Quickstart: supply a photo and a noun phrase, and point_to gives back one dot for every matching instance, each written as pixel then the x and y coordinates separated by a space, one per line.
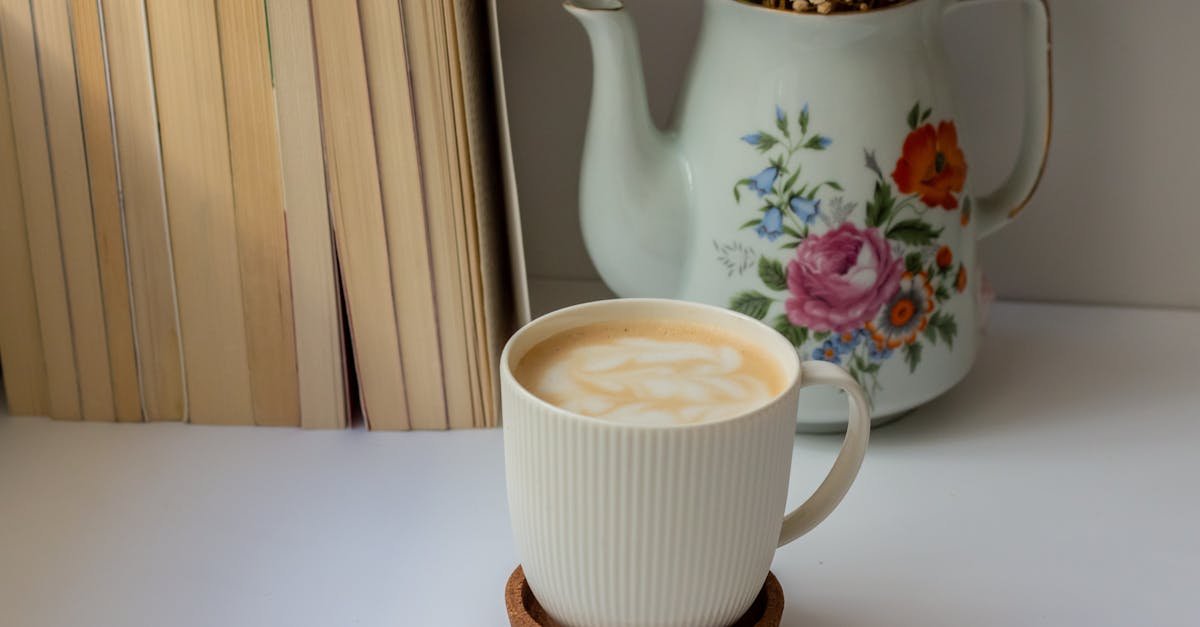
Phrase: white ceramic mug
pixel 620 524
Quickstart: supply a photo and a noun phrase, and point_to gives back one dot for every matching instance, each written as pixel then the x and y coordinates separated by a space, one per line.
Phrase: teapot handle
pixel 1002 204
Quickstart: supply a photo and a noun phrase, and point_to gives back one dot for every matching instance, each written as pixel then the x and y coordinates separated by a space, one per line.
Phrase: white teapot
pixel 813 178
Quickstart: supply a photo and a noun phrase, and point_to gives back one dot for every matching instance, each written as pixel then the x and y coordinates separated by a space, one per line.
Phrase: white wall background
pixel 1117 217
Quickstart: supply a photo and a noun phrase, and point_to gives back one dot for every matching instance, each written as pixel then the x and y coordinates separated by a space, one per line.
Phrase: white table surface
pixel 1059 484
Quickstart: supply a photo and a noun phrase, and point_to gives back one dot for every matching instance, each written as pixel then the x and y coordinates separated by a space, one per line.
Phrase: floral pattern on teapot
pixel 854 288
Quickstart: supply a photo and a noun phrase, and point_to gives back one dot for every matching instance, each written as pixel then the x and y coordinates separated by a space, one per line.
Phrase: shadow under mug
pixel 620 524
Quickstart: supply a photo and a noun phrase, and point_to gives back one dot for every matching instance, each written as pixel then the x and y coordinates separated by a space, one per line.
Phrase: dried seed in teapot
pixel 826 7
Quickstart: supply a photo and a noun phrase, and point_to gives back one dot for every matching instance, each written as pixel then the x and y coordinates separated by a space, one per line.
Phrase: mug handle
pixel 827 496
pixel 1002 204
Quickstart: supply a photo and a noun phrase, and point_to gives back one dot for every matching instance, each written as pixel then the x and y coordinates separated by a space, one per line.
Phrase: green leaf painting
pixel 796 335
pixel 912 262
pixel 879 208
pixel 751 303
pixel 915 232
pixel 912 356
pixel 772 273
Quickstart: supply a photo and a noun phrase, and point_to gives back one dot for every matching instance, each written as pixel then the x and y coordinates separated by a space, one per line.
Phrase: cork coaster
pixel 524 610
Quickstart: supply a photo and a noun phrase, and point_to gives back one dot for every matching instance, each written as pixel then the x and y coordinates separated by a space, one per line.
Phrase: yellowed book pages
pixel 258 210
pixel 20 335
pixel 454 136
pixel 60 97
pixel 320 355
pixel 404 212
pixel 480 160
pixel 200 206
pixel 92 78
pixel 41 216
pixel 498 311
pixel 148 244
pixel 350 162
pixel 468 242
pixel 425 36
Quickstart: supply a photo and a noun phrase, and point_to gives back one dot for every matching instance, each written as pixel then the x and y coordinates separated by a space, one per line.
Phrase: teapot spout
pixel 634 183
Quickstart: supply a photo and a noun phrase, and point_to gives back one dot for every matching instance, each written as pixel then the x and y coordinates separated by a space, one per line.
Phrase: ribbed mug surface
pixel 633 525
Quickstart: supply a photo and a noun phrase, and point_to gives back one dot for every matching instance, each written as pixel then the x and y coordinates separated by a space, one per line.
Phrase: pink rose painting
pixel 840 279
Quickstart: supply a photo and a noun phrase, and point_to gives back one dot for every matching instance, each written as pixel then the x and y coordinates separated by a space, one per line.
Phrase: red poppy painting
pixel 932 165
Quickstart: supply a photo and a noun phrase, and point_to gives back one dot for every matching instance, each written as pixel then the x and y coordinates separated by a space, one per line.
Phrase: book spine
pixel 21 355
pixel 320 354
pixel 200 207
pixel 52 31
pixel 92 78
pixel 353 183
pixel 258 212
pixel 41 215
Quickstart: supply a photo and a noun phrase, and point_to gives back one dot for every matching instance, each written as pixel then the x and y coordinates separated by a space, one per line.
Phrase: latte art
pixel 650 373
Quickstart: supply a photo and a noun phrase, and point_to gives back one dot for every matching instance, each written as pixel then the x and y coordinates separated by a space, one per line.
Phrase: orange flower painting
pixel 932 165
pixel 902 319
pixel 944 257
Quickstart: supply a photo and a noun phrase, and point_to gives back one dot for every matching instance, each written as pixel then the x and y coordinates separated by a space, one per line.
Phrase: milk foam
pixel 645 375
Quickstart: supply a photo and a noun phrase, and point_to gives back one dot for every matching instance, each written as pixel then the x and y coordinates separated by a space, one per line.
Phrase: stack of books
pixel 207 206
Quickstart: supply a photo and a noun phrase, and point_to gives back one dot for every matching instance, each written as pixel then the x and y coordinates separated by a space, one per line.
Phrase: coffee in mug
pixel 651 372
pixel 647 450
